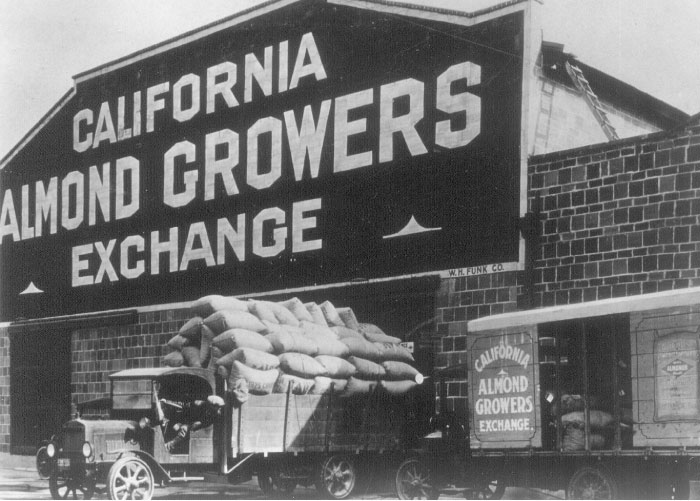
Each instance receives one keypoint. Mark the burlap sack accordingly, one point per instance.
(299, 385)
(271, 328)
(370, 328)
(190, 354)
(231, 339)
(298, 364)
(348, 318)
(321, 330)
(258, 382)
(366, 369)
(391, 351)
(357, 387)
(177, 342)
(223, 371)
(323, 385)
(222, 321)
(599, 420)
(284, 341)
(173, 359)
(216, 354)
(331, 314)
(207, 336)
(336, 367)
(399, 370)
(192, 330)
(298, 309)
(252, 358)
(205, 306)
(342, 332)
(316, 313)
(362, 348)
(262, 310)
(574, 439)
(332, 347)
(398, 388)
(380, 338)
(283, 315)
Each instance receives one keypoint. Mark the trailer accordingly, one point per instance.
(601, 400)
(284, 439)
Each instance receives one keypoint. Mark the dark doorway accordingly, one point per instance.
(40, 390)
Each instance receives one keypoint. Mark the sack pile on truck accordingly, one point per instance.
(573, 422)
(263, 347)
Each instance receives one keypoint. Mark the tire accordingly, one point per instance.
(130, 478)
(73, 488)
(337, 478)
(591, 483)
(413, 481)
(272, 485)
(491, 489)
(44, 464)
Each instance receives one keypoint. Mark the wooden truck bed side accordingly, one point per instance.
(315, 423)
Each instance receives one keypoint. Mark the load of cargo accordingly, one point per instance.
(263, 347)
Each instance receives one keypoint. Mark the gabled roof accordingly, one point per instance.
(386, 6)
(611, 90)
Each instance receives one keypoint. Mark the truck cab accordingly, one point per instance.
(121, 440)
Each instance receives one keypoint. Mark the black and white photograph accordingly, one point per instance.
(350, 249)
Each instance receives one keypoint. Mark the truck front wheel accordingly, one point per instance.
(130, 478)
(71, 487)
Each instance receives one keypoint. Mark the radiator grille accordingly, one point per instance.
(73, 440)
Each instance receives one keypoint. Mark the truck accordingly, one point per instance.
(600, 400)
(125, 442)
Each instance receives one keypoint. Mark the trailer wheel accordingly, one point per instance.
(413, 481)
(591, 483)
(337, 477)
(492, 488)
(130, 478)
(71, 487)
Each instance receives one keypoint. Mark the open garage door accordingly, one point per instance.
(40, 391)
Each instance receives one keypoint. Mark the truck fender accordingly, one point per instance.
(161, 476)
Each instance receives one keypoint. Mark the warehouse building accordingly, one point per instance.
(372, 155)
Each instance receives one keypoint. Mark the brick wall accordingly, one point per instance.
(101, 351)
(460, 300)
(618, 219)
(4, 390)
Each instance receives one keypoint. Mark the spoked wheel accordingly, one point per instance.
(337, 478)
(73, 488)
(591, 483)
(413, 481)
(130, 478)
(272, 483)
(490, 489)
(43, 463)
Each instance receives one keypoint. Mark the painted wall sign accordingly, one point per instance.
(272, 154)
(676, 358)
(503, 388)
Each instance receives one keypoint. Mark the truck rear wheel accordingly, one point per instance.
(414, 481)
(591, 483)
(337, 477)
(130, 478)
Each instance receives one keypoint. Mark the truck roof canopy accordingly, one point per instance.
(655, 301)
(157, 372)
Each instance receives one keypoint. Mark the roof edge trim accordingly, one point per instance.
(612, 306)
(437, 14)
(37, 127)
(185, 38)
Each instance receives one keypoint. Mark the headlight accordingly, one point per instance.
(51, 450)
(87, 450)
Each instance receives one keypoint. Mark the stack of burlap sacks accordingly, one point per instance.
(574, 424)
(263, 347)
